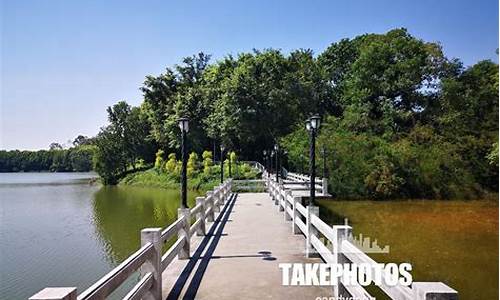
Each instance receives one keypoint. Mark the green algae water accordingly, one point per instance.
(59, 230)
(455, 242)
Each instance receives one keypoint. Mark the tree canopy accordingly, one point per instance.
(401, 119)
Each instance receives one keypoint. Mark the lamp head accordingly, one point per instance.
(184, 124)
(315, 122)
(308, 125)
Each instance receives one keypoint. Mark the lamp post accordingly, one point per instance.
(284, 163)
(230, 173)
(213, 158)
(323, 153)
(222, 163)
(312, 125)
(184, 126)
(271, 167)
(264, 159)
(277, 151)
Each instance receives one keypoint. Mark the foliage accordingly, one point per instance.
(122, 143)
(76, 159)
(493, 155)
(159, 159)
(207, 162)
(171, 164)
(109, 158)
(399, 118)
(192, 164)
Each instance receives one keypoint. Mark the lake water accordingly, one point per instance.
(56, 229)
(455, 242)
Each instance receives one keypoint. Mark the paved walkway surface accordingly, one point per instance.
(239, 256)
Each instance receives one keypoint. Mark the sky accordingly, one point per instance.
(64, 62)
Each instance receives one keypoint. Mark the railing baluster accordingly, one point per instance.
(184, 213)
(311, 230)
(200, 231)
(153, 263)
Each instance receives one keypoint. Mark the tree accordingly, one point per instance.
(55, 146)
(109, 156)
(81, 140)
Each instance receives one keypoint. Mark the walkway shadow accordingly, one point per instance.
(209, 243)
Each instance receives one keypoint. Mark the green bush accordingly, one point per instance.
(192, 164)
(159, 160)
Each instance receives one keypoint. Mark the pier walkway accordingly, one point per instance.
(239, 256)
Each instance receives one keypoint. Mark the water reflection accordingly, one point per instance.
(121, 212)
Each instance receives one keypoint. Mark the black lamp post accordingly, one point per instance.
(312, 125)
(264, 159)
(184, 126)
(221, 163)
(271, 165)
(213, 158)
(277, 151)
(323, 153)
(230, 173)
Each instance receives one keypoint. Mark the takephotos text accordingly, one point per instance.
(363, 274)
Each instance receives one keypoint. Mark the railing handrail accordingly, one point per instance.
(109, 282)
(339, 236)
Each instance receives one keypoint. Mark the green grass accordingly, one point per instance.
(153, 178)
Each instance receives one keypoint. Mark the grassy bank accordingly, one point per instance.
(197, 180)
(153, 178)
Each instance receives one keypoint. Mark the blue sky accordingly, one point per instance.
(64, 62)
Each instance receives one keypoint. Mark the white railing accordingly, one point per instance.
(321, 184)
(149, 259)
(305, 220)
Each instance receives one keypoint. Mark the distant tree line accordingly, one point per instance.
(78, 158)
(400, 119)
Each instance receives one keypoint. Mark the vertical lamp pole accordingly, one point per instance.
(221, 163)
(323, 153)
(271, 165)
(184, 126)
(312, 125)
(230, 173)
(277, 151)
(264, 159)
(213, 158)
(269, 162)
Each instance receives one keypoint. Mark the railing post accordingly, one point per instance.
(433, 291)
(210, 203)
(296, 215)
(222, 194)
(281, 196)
(216, 200)
(201, 216)
(288, 193)
(340, 233)
(270, 186)
(276, 194)
(311, 230)
(55, 293)
(153, 264)
(324, 186)
(184, 213)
